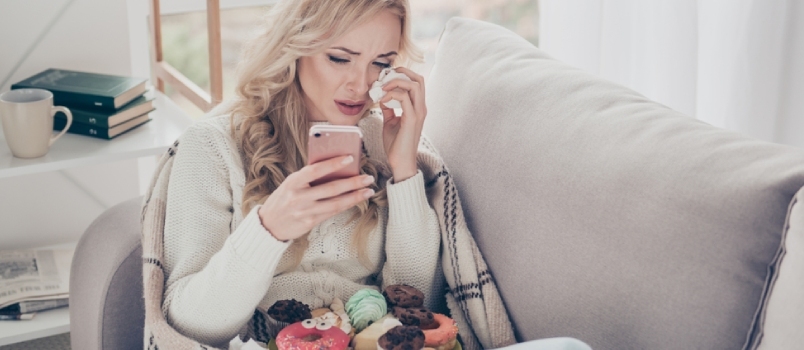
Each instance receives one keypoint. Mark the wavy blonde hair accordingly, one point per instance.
(269, 119)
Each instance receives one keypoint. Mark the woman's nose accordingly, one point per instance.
(359, 82)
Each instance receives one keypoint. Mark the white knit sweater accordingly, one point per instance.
(220, 265)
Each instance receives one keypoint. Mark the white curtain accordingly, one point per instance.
(736, 64)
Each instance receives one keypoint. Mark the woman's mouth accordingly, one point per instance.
(349, 107)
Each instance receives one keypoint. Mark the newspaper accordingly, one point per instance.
(34, 274)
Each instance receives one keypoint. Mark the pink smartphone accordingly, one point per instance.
(330, 141)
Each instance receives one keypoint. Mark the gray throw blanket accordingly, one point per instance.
(473, 298)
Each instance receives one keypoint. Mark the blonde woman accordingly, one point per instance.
(243, 228)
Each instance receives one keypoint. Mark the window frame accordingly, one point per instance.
(162, 72)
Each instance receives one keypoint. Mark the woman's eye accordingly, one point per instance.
(382, 65)
(338, 60)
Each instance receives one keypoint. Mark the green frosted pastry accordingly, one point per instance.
(365, 307)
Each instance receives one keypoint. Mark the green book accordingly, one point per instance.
(99, 92)
(140, 105)
(101, 133)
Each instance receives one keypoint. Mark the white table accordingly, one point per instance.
(152, 138)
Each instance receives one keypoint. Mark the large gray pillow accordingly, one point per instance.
(603, 215)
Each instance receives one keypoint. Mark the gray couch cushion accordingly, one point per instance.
(780, 321)
(603, 215)
(106, 305)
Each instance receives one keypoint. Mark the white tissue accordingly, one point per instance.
(376, 92)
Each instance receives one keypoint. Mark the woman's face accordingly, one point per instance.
(341, 76)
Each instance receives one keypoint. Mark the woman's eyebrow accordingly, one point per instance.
(358, 53)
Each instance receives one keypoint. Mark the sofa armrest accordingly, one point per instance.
(106, 306)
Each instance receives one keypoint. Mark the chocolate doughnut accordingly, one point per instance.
(415, 316)
(403, 295)
(402, 338)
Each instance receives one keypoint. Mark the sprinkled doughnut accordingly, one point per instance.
(312, 335)
(445, 334)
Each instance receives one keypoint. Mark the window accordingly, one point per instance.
(184, 33)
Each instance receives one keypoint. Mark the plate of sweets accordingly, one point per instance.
(395, 319)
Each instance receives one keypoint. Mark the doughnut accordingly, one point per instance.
(401, 338)
(444, 336)
(312, 335)
(419, 317)
(403, 295)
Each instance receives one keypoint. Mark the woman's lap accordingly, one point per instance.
(562, 343)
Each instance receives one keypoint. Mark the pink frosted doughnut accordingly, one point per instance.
(443, 336)
(312, 335)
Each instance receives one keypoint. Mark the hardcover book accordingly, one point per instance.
(102, 133)
(140, 105)
(82, 89)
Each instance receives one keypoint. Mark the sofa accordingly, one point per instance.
(602, 215)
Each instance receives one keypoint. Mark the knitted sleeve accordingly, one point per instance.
(215, 276)
(412, 241)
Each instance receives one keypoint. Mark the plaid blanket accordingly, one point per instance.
(473, 298)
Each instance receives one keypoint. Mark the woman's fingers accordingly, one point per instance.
(411, 86)
(337, 187)
(412, 75)
(404, 99)
(329, 207)
(312, 172)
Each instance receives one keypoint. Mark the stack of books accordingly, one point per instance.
(103, 106)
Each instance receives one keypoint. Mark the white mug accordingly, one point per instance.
(27, 116)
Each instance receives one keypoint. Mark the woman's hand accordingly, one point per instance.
(400, 136)
(295, 207)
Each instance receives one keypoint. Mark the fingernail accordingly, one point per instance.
(348, 160)
(368, 193)
(369, 180)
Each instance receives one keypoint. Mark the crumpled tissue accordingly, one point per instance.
(376, 92)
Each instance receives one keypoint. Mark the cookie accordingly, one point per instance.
(290, 311)
(320, 312)
(415, 316)
(403, 295)
(402, 338)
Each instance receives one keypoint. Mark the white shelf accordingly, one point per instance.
(44, 324)
(152, 138)
(72, 150)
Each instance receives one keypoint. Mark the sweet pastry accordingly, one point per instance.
(365, 307)
(290, 311)
(283, 313)
(342, 319)
(403, 295)
(444, 336)
(419, 317)
(401, 338)
(367, 339)
(319, 312)
(312, 335)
